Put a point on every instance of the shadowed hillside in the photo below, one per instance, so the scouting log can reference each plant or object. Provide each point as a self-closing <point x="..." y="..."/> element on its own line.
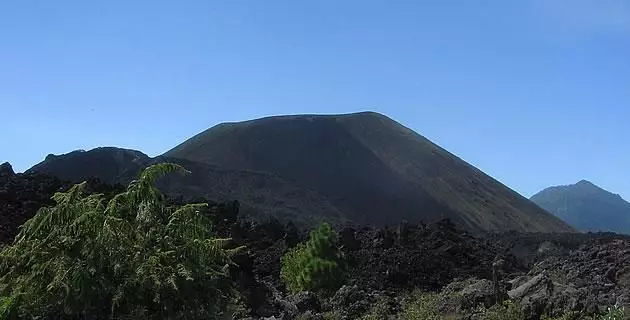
<point x="111" y="165"/>
<point x="260" y="194"/>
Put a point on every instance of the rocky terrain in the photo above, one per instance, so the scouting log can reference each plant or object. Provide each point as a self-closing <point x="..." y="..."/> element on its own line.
<point x="542" y="273"/>
<point x="595" y="275"/>
<point x="20" y="197"/>
<point x="22" y="194"/>
<point x="552" y="276"/>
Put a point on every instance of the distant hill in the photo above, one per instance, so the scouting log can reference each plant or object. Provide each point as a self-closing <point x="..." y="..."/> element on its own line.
<point x="111" y="165"/>
<point x="361" y="167"/>
<point x="586" y="207"/>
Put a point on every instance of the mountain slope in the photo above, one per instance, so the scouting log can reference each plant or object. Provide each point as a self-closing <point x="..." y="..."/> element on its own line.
<point x="111" y="165"/>
<point x="587" y="207"/>
<point x="371" y="168"/>
<point x="260" y="194"/>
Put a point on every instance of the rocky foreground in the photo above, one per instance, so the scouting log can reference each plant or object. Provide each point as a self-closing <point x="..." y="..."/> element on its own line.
<point x="540" y="274"/>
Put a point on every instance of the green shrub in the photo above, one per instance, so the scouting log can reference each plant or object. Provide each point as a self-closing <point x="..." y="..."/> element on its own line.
<point x="130" y="257"/>
<point x="614" y="313"/>
<point x="572" y="315"/>
<point x="315" y="265"/>
<point x="8" y="307"/>
<point x="507" y="310"/>
<point x="422" y="306"/>
<point x="380" y="310"/>
<point x="569" y="315"/>
<point x="331" y="315"/>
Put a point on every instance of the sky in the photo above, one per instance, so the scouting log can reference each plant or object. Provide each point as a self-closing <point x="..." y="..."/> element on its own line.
<point x="535" y="92"/>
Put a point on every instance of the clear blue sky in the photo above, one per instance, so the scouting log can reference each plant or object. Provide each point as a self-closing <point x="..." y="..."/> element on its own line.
<point x="535" y="93"/>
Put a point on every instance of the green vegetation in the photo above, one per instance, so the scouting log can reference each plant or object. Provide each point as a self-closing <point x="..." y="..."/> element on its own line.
<point x="422" y="305"/>
<point x="131" y="257"/>
<point x="380" y="310"/>
<point x="507" y="310"/>
<point x="315" y="265"/>
<point x="569" y="315"/>
<point x="426" y="306"/>
<point x="331" y="315"/>
<point x="614" y="313"/>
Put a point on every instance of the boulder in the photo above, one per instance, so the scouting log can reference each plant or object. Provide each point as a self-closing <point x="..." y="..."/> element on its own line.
<point x="524" y="289"/>
<point x="305" y="301"/>
<point x="539" y="295"/>
<point x="477" y="293"/>
<point x="517" y="281"/>
<point x="462" y="296"/>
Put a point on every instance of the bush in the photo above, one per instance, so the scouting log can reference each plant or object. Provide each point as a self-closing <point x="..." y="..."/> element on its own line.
<point x="569" y="315"/>
<point x="380" y="310"/>
<point x="132" y="257"/>
<point x="422" y="306"/>
<point x="507" y="310"/>
<point x="614" y="313"/>
<point x="315" y="265"/>
<point x="8" y="307"/>
<point x="331" y="315"/>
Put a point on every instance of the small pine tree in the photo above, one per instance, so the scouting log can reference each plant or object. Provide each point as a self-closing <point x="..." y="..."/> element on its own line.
<point x="315" y="265"/>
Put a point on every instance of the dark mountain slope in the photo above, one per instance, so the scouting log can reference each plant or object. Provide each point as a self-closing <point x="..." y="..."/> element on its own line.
<point x="320" y="155"/>
<point x="587" y="207"/>
<point x="371" y="168"/>
<point x="111" y="165"/>
<point x="483" y="200"/>
<point x="259" y="193"/>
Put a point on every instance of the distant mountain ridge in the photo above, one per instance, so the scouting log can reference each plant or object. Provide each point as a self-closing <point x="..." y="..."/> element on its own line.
<point x="115" y="165"/>
<point x="586" y="207"/>
<point x="361" y="167"/>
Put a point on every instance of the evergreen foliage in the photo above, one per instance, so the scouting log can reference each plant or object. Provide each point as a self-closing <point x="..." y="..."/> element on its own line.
<point x="315" y="265"/>
<point x="130" y="257"/>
